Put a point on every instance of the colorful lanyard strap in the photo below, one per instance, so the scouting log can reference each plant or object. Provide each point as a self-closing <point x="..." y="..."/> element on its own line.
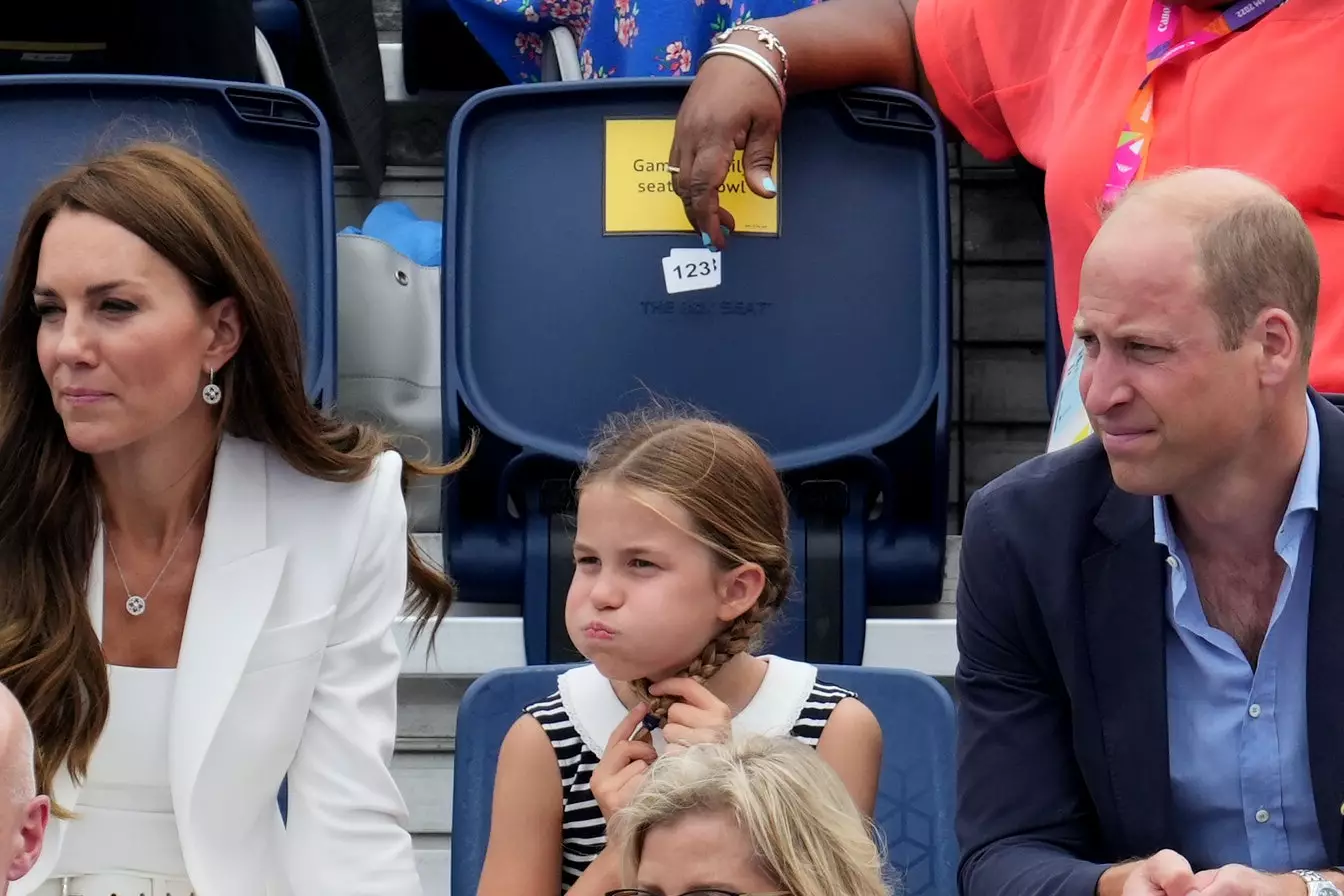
<point x="1131" y="151"/>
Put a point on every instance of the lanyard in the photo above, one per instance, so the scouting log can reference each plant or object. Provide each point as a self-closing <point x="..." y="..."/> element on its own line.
<point x="1131" y="152"/>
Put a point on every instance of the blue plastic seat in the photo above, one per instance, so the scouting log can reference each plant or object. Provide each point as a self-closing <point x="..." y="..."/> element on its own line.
<point x="828" y="342"/>
<point x="916" y="792"/>
<point x="272" y="143"/>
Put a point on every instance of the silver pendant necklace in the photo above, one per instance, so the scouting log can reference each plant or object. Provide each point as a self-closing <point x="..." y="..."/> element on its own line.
<point x="135" y="604"/>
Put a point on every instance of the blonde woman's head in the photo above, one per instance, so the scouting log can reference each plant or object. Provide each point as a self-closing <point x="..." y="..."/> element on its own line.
<point x="760" y="816"/>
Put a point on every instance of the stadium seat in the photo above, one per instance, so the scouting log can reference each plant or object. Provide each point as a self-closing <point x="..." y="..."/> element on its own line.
<point x="272" y="143"/>
<point x="916" y="792"/>
<point x="827" y="341"/>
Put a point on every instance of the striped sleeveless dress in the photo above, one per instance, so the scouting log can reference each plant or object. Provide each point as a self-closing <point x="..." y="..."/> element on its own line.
<point x="580" y="716"/>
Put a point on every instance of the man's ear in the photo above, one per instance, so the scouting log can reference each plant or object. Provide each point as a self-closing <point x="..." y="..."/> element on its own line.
<point x="1278" y="343"/>
<point x="30" y="837"/>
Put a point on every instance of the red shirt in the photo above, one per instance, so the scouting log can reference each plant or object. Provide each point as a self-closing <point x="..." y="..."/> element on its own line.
<point x="1051" y="80"/>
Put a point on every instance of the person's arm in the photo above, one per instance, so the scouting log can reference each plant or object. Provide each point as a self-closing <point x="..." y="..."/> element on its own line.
<point x="1025" y="822"/>
<point x="526" y="816"/>
<point x="851" y="743"/>
<point x="527" y="819"/>
<point x="346" y="826"/>
<point x="526" y="824"/>
<point x="731" y="105"/>
<point x="844" y="43"/>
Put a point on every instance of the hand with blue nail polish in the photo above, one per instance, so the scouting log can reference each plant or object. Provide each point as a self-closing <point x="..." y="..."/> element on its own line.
<point x="729" y="106"/>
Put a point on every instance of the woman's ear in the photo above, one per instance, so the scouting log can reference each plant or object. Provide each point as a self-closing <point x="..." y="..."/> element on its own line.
<point x="226" y="326"/>
<point x="739" y="590"/>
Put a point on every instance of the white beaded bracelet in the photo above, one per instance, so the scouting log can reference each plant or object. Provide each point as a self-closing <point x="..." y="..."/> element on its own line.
<point x="747" y="54"/>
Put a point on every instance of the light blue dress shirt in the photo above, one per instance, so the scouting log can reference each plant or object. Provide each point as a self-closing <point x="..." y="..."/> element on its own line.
<point x="1237" y="736"/>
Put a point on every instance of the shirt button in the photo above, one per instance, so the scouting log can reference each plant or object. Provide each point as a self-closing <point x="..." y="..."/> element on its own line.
<point x="1254" y="710"/>
<point x="1262" y="816"/>
<point x="1173" y="562"/>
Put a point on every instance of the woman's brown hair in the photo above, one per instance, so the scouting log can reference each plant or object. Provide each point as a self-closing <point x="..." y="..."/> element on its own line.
<point x="50" y="656"/>
<point x="723" y="480"/>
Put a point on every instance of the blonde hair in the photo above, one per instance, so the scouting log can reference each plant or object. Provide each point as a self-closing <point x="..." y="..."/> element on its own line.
<point x="805" y="830"/>
<point x="725" y="482"/>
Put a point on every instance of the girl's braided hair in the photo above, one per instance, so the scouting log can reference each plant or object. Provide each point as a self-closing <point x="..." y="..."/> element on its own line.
<point x="723" y="480"/>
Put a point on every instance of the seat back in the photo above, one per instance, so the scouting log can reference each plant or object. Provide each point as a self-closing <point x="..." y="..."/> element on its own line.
<point x="827" y="339"/>
<point x="915" y="799"/>
<point x="488" y="709"/>
<point x="271" y="143"/>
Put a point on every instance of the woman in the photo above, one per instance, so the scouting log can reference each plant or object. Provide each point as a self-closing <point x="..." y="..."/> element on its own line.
<point x="201" y="570"/>
<point x="1062" y="83"/>
<point x="766" y="816"/>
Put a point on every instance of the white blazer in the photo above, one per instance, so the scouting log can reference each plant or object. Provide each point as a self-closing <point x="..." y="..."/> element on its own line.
<point x="288" y="666"/>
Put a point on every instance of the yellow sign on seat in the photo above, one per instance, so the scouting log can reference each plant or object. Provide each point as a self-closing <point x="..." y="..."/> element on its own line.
<point x="637" y="187"/>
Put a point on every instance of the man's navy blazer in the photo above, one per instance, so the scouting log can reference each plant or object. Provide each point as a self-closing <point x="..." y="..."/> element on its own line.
<point x="1061" y="682"/>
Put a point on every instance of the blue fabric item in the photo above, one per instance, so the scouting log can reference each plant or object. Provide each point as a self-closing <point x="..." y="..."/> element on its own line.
<point x="397" y="225"/>
<point x="1241" y="784"/>
<point x="619" y="38"/>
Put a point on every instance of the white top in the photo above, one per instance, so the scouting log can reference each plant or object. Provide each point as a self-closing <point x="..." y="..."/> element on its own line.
<point x="124" y="821"/>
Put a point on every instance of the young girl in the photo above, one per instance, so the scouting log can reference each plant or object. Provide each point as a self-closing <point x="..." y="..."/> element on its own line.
<point x="681" y="559"/>
<point x="761" y="816"/>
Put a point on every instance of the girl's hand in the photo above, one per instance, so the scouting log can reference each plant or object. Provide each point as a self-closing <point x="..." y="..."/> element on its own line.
<point x="623" y="765"/>
<point x="698" y="717"/>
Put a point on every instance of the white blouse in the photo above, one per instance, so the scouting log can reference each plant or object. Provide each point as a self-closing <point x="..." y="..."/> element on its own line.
<point x="124" y="822"/>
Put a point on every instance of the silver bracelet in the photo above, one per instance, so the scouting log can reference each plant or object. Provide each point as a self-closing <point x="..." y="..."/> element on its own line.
<point x="767" y="37"/>
<point x="747" y="54"/>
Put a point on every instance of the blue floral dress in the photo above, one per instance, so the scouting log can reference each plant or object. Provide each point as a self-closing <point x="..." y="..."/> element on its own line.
<point x="616" y="38"/>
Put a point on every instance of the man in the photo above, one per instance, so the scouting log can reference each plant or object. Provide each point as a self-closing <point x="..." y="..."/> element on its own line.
<point x="23" y="813"/>
<point x="1151" y="664"/>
